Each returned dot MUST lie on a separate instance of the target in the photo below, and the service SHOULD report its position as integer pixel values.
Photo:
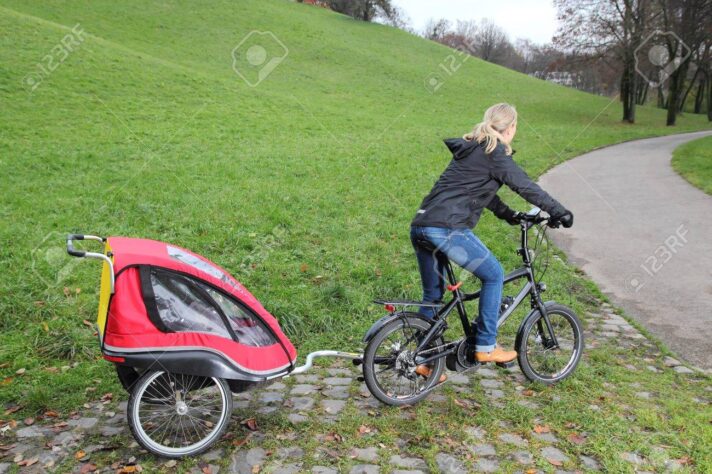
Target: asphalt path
(644, 235)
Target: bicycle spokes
(548, 357)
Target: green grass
(693, 161)
(303, 187)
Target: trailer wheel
(175, 415)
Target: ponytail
(488, 132)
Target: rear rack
(84, 254)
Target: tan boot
(425, 371)
(497, 355)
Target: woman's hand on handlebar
(566, 220)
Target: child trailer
(184, 335)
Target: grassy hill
(303, 186)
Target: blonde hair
(496, 120)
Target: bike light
(114, 358)
(390, 308)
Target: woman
(482, 162)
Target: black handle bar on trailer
(84, 254)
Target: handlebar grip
(70, 248)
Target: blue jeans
(463, 248)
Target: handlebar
(84, 254)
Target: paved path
(645, 236)
(317, 405)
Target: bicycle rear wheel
(389, 362)
(539, 358)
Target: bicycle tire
(421, 325)
(528, 345)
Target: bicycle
(549, 341)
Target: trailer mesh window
(248, 328)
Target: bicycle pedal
(507, 365)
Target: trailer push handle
(84, 254)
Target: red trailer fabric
(130, 329)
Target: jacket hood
(460, 148)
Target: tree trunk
(677, 82)
(643, 88)
(628, 92)
(700, 96)
(689, 88)
(709, 98)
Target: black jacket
(470, 183)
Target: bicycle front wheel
(540, 357)
(389, 362)
(175, 415)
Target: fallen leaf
(171, 463)
(127, 470)
(303, 267)
(250, 423)
(7, 447)
(363, 429)
(39, 304)
(107, 396)
(542, 429)
(555, 462)
(333, 436)
(67, 291)
(28, 462)
(51, 369)
(6, 381)
(207, 470)
(4, 365)
(79, 454)
(77, 290)
(45, 326)
(684, 461)
(88, 467)
(256, 469)
(239, 442)
(571, 425)
(87, 323)
(576, 438)
(12, 410)
(51, 414)
(21, 371)
(528, 393)
(531, 471)
(29, 421)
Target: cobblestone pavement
(99, 430)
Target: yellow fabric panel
(104, 294)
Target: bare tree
(366, 10)
(598, 28)
(690, 21)
(491, 42)
(436, 30)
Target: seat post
(448, 269)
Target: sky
(531, 19)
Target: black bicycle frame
(531, 288)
